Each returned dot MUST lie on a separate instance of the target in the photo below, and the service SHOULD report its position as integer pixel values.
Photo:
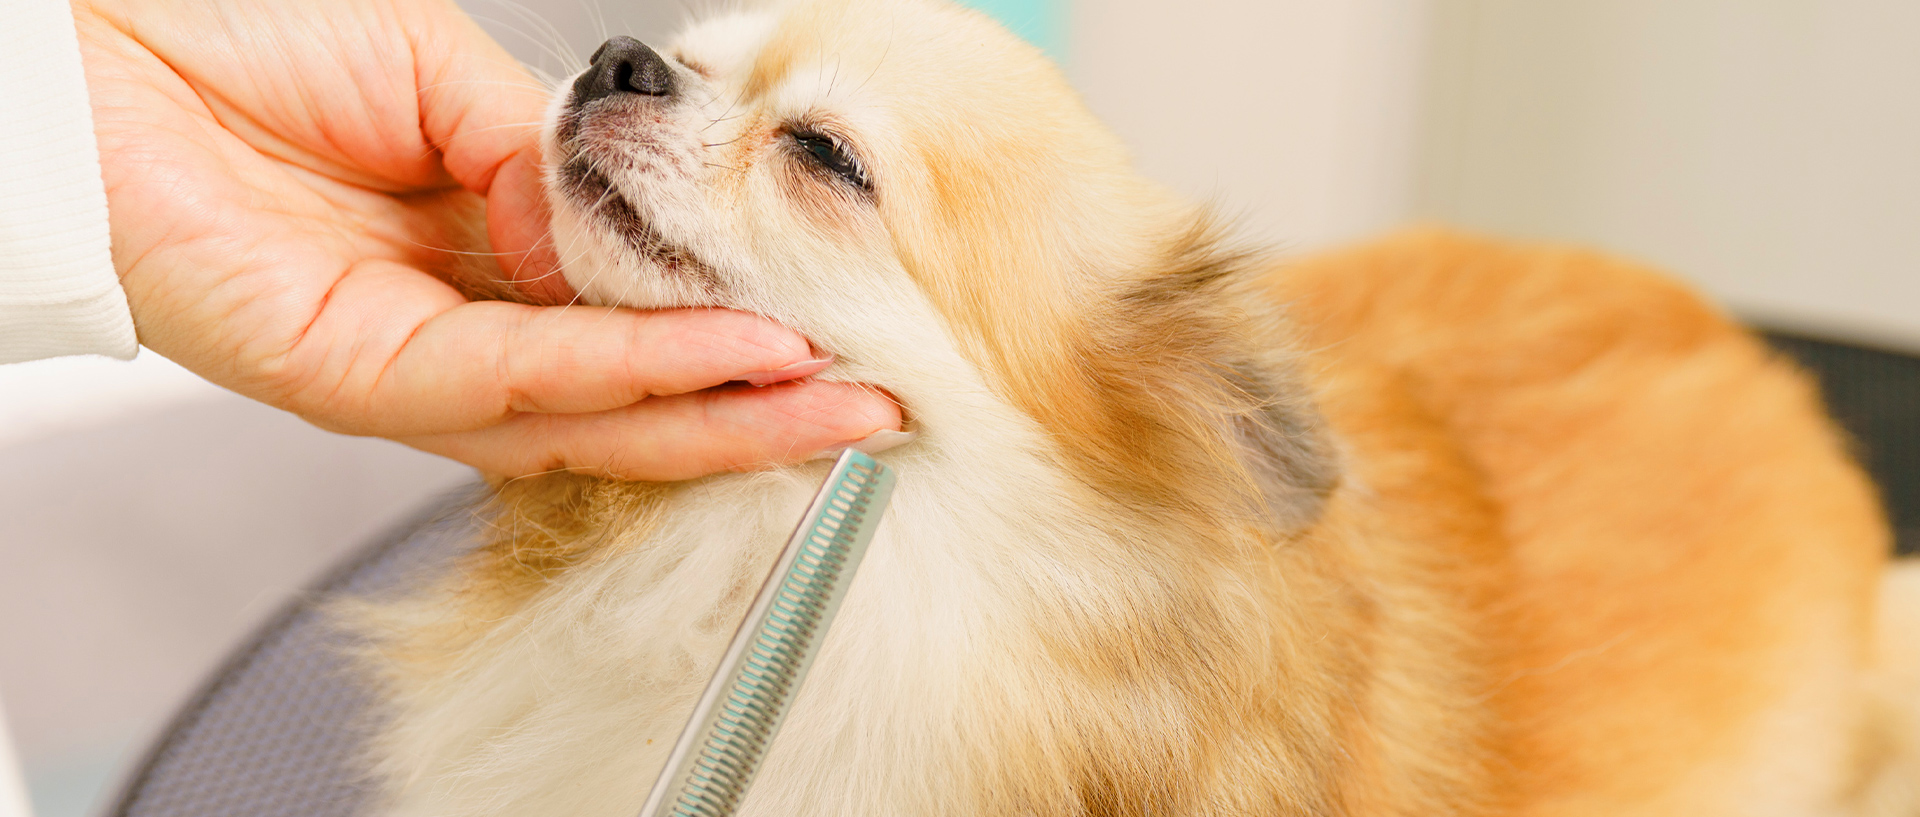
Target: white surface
(45, 397)
(58, 291)
(148, 521)
(1767, 149)
(141, 549)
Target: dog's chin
(630, 262)
(640, 284)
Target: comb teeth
(728, 735)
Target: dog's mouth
(595, 195)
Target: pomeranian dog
(1434, 526)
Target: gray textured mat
(1875, 394)
(277, 731)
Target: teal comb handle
(718, 753)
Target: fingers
(680, 437)
(394, 352)
(514, 389)
(513, 359)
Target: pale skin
(278, 174)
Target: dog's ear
(1199, 405)
(1232, 355)
(1282, 443)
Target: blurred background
(1768, 150)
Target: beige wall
(555, 36)
(1767, 149)
(1299, 114)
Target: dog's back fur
(1690, 561)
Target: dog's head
(921, 193)
(866, 171)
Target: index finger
(394, 352)
(483, 111)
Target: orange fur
(1688, 543)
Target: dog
(1435, 525)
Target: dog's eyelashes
(828, 154)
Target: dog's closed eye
(830, 154)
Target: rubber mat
(1875, 395)
(278, 730)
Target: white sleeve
(59, 294)
(13, 790)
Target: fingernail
(791, 371)
(873, 443)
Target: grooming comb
(716, 756)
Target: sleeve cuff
(59, 293)
(95, 325)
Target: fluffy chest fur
(997, 629)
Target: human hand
(283, 176)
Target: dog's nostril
(624, 65)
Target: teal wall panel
(1042, 22)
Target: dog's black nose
(623, 65)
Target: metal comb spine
(727, 736)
